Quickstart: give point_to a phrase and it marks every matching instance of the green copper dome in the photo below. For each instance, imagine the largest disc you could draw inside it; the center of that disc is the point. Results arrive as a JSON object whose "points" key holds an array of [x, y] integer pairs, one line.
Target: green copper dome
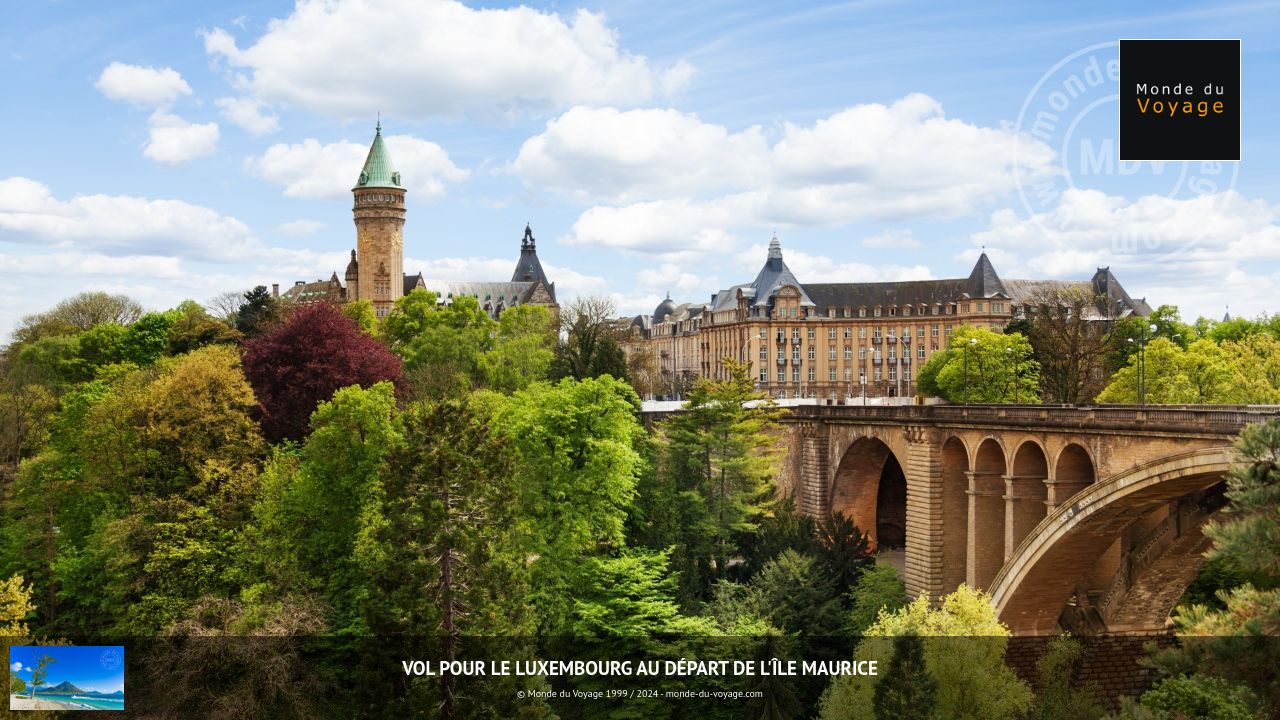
{"points": [[378, 171]]}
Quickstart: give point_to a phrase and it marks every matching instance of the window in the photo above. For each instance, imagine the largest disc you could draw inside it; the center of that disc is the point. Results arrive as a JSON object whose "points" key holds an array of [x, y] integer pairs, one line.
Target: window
{"points": [[862, 312], [893, 311], [948, 332], [793, 311], [831, 312], [906, 375], [879, 375], [966, 308], [782, 376], [795, 375], [906, 310], [875, 334], [920, 331], [831, 375], [764, 375], [893, 354], [764, 334], [831, 333], [848, 333], [920, 351], [862, 376], [812, 375], [877, 312], [862, 333], [979, 307], [862, 353], [934, 348], [848, 372], [893, 374], [795, 334], [848, 353], [933, 331], [795, 353], [997, 307], [764, 353], [811, 331], [831, 353]]}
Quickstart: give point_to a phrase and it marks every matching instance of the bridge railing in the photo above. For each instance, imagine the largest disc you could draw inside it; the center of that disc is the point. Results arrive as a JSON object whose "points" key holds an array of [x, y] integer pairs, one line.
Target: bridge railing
{"points": [[1210, 418]]}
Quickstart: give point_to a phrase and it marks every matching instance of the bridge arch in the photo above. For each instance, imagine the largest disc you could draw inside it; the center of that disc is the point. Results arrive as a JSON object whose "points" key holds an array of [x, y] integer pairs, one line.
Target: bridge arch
{"points": [[986, 512], [1073, 470], [870, 488], [1027, 493], [1033, 587], [955, 512]]}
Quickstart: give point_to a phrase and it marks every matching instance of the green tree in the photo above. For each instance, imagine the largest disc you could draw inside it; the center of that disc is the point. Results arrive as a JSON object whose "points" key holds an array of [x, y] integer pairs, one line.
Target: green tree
{"points": [[1055, 698], [522, 349], [1166, 377], [794, 594], [1197, 698], [78, 313], [361, 311], [1255, 367], [40, 672], [148, 338], [257, 311], [16, 684], [720, 458], [442, 345], [964, 646], [878, 589], [574, 478], [193, 327], [631, 595], [590, 347], [844, 552], [907, 690], [101, 345], [982, 366]]}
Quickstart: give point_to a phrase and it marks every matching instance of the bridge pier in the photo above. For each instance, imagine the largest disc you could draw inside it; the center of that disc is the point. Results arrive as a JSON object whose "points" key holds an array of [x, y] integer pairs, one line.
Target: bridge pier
{"points": [[1024, 508], [986, 526], [926, 524]]}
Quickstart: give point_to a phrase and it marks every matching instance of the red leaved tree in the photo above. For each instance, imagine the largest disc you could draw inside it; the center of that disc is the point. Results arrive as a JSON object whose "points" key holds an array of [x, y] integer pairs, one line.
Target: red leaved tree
{"points": [[301, 362]]}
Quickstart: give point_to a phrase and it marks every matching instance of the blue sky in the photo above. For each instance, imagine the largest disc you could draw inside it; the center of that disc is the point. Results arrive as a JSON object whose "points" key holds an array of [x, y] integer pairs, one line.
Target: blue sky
{"points": [[90, 668], [170, 150]]}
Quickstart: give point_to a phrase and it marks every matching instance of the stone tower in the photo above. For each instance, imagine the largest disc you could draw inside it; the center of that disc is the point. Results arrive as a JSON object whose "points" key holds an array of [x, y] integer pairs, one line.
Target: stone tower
{"points": [[378, 265]]}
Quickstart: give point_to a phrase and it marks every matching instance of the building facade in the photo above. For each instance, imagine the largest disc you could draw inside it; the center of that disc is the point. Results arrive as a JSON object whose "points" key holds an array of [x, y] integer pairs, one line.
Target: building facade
{"points": [[376, 270], [835, 340]]}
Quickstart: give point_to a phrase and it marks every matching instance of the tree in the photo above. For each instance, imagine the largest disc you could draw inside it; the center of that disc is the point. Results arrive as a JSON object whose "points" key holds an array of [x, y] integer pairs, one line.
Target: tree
{"points": [[574, 478], [720, 458], [257, 312], [878, 589], [1237, 643], [1070, 341], [225, 306], [590, 348], [15, 606], [994, 368], [442, 345], [844, 552], [40, 672], [630, 595], [973, 681], [300, 363], [1255, 368], [148, 338], [1055, 698], [522, 349], [78, 313], [794, 594], [192, 328], [1165, 379], [907, 689], [1197, 696]]}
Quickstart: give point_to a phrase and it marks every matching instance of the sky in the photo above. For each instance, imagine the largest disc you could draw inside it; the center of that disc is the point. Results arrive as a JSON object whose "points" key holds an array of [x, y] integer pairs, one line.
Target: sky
{"points": [[171, 150], [89, 667]]}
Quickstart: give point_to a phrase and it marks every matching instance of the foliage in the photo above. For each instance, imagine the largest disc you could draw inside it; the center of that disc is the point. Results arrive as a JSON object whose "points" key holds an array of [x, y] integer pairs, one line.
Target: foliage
{"points": [[720, 459], [192, 328], [76, 314], [780, 528], [994, 368], [907, 690], [590, 348], [147, 338], [300, 363], [1245, 371], [258, 311], [878, 589], [1199, 697], [964, 647], [1055, 698], [793, 593], [361, 311], [15, 606], [1071, 343], [631, 595], [844, 552], [522, 349]]}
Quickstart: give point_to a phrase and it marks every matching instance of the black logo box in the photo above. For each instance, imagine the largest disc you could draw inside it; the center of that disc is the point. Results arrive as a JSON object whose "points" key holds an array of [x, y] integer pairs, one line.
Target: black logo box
{"points": [[1160, 77]]}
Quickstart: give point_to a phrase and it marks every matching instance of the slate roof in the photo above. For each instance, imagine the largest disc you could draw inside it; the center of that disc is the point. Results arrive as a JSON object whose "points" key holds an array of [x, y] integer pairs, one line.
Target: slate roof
{"points": [[378, 172]]}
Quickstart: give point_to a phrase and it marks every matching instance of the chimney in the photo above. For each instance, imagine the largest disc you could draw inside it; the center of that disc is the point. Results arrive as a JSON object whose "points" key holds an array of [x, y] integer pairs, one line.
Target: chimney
{"points": [[275, 289]]}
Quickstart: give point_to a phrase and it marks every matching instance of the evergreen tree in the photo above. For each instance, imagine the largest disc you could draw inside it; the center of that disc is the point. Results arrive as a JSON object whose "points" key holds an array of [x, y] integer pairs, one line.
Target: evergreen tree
{"points": [[906, 690], [257, 312], [720, 459]]}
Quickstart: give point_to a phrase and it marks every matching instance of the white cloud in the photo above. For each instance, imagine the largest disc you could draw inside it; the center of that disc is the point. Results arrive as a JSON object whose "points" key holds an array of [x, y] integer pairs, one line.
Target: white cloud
{"points": [[118, 224], [313, 170], [16, 667], [619, 157], [142, 85], [174, 141], [78, 263], [664, 179], [300, 227], [347, 58], [248, 114], [1197, 252], [892, 240], [674, 279]]}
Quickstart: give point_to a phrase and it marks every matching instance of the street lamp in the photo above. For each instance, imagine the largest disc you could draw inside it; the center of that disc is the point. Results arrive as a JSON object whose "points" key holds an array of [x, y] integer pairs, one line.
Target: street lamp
{"points": [[972, 342], [1142, 362], [1013, 375]]}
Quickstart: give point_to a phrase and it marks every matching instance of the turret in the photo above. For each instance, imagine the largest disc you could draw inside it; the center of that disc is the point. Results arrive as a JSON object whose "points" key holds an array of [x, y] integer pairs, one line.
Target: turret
{"points": [[379, 216]]}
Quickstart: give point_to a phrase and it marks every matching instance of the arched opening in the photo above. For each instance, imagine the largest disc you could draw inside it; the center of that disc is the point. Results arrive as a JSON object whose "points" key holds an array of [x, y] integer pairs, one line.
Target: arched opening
{"points": [[1072, 472], [871, 489], [1026, 495], [955, 513], [986, 514]]}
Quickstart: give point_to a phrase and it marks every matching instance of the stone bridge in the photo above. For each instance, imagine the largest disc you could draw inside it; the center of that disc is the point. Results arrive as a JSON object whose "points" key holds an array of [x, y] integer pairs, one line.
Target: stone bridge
{"points": [[1079, 518]]}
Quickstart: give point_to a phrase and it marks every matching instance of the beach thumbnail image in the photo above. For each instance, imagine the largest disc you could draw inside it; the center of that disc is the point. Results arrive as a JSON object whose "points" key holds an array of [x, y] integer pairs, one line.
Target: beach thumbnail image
{"points": [[66, 677]]}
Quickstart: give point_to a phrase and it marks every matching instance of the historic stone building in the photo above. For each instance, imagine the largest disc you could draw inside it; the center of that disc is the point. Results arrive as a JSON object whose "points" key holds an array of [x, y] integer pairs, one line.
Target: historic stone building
{"points": [[836, 340], [376, 271]]}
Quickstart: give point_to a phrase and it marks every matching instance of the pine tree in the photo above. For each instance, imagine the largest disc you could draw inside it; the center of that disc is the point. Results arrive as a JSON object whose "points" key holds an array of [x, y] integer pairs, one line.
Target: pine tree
{"points": [[907, 689]]}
